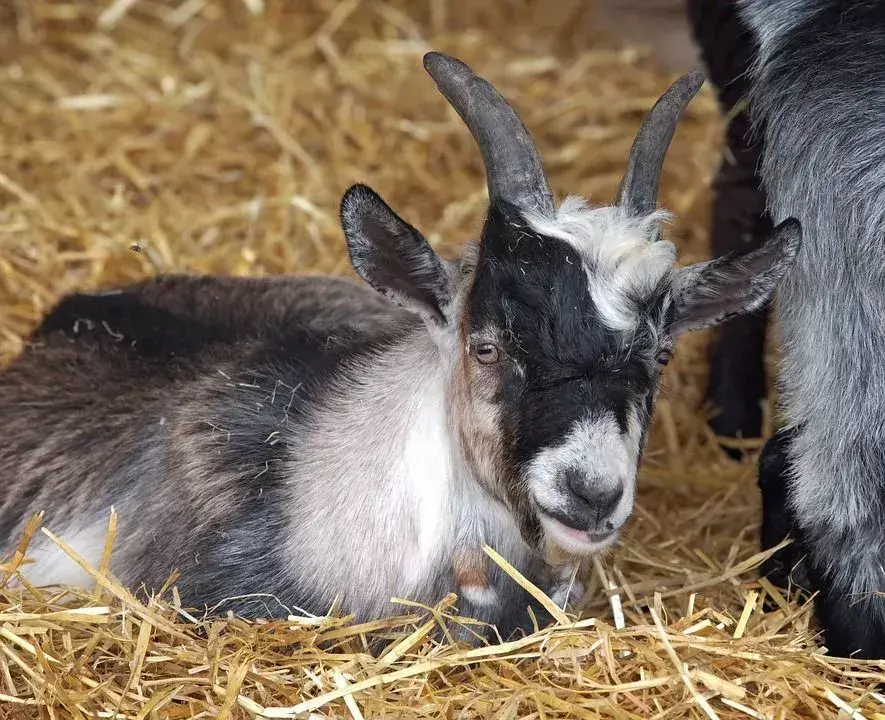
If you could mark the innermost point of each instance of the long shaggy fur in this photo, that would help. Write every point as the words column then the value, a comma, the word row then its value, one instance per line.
column 819, row 100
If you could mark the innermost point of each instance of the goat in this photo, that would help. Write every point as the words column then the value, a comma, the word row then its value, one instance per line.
column 314, row 440
column 817, row 98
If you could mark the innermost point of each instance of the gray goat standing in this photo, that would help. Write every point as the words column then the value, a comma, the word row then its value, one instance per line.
column 313, row 440
column 817, row 97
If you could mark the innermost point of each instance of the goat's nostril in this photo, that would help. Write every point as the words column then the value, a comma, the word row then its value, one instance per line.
column 606, row 501
column 575, row 481
column 602, row 501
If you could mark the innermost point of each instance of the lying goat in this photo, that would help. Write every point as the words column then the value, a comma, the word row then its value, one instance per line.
column 818, row 99
column 314, row 440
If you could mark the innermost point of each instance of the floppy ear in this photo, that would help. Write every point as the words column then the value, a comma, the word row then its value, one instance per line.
column 393, row 257
column 710, row 293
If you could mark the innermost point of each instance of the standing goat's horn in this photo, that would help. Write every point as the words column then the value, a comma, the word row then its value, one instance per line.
column 513, row 168
column 639, row 188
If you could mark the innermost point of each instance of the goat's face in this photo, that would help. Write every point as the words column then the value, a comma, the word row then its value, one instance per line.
column 554, row 326
column 563, row 331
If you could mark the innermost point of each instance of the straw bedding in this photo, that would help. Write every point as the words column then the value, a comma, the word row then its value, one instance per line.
column 139, row 137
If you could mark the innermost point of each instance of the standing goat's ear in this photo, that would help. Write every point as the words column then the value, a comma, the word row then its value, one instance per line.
column 710, row 293
column 393, row 257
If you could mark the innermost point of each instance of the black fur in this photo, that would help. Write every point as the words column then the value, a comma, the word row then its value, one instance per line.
column 786, row 568
column 853, row 624
column 536, row 289
column 737, row 382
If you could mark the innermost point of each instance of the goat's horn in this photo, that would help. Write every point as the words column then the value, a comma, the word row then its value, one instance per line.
column 513, row 168
column 639, row 188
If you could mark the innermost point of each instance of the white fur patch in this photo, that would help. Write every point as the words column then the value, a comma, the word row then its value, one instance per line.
column 481, row 596
column 618, row 251
column 424, row 476
column 52, row 566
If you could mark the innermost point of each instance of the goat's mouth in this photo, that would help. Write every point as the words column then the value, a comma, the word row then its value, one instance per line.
column 574, row 540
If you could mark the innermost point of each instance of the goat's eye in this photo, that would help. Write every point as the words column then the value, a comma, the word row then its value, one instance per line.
column 487, row 353
column 663, row 357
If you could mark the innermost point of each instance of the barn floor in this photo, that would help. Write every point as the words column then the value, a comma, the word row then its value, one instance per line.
column 139, row 137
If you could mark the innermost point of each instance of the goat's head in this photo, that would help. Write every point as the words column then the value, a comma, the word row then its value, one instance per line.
column 556, row 323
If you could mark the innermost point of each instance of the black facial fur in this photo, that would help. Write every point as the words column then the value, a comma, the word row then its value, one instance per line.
column 534, row 291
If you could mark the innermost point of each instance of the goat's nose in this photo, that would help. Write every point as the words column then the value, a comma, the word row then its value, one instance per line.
column 601, row 497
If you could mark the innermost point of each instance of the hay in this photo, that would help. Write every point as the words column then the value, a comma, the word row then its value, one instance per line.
column 209, row 136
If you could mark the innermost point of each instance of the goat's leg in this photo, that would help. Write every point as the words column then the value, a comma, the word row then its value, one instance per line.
column 736, row 384
column 845, row 569
column 785, row 568
column 841, row 562
column 489, row 595
column 565, row 588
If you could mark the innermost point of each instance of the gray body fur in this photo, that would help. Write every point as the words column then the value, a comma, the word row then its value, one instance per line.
column 818, row 98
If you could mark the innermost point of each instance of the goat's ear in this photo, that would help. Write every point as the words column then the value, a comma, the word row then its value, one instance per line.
column 393, row 257
column 710, row 293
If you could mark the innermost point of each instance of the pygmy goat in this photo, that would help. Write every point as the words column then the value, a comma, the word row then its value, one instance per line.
column 818, row 99
column 313, row 440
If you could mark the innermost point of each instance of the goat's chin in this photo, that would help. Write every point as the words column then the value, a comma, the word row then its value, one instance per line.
column 575, row 542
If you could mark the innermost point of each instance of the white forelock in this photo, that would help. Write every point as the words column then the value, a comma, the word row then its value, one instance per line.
column 619, row 253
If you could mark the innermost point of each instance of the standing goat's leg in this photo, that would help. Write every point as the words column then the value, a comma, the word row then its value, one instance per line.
column 845, row 569
column 737, row 372
column 843, row 562
column 840, row 562
column 786, row 567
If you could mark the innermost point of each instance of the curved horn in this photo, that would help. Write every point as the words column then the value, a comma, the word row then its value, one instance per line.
column 513, row 168
column 639, row 188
